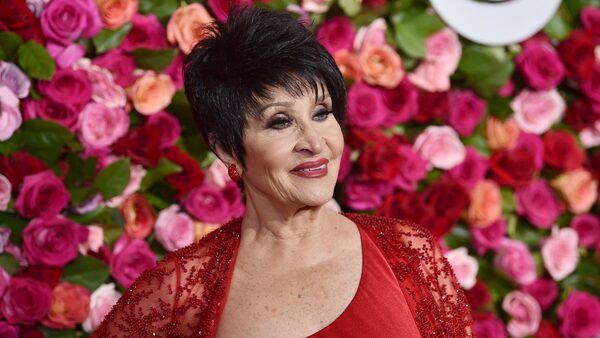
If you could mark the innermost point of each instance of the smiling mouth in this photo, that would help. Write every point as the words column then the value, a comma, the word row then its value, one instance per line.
column 311, row 170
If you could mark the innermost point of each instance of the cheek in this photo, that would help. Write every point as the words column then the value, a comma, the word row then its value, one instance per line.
column 335, row 138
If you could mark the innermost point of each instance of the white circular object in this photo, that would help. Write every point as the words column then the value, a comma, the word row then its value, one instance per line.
column 496, row 24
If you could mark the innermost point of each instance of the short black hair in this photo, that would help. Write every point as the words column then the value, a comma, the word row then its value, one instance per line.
column 236, row 64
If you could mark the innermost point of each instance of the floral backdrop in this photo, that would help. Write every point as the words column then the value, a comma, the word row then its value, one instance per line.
column 495, row 149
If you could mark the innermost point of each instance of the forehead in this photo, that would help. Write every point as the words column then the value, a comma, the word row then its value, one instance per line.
column 272, row 94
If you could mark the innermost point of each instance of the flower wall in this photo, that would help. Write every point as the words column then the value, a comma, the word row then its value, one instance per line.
column 495, row 150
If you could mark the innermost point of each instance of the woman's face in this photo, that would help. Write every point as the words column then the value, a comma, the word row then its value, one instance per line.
column 293, row 151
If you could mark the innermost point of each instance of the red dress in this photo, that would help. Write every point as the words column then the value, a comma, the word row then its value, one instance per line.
column 184, row 295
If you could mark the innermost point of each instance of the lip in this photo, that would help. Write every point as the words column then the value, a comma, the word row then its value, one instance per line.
column 312, row 169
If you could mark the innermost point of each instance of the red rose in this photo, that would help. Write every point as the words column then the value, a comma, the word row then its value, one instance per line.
column 513, row 168
column 357, row 138
column 580, row 115
column 191, row 174
column 577, row 53
column 17, row 17
column 431, row 105
column 547, row 330
column 593, row 164
column 138, row 216
column 19, row 165
column 44, row 273
column 561, row 151
column 478, row 295
column 141, row 144
column 381, row 161
column 447, row 199
column 408, row 206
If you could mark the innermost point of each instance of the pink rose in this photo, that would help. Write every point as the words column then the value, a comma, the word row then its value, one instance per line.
column 183, row 27
column 587, row 227
column 10, row 116
column 590, row 136
column 174, row 229
column 431, row 77
column 365, row 106
column 373, row 34
column 94, row 242
column 5, row 192
column 216, row 175
column 536, row 112
column 26, row 301
column 412, row 169
column 151, row 92
column 9, row 331
column 364, row 194
column 559, row 252
column 486, row 204
column 465, row 267
column 401, row 102
column 578, row 188
column 537, row 203
column 209, row 204
column 544, row 290
column 525, row 312
column 540, row 65
column 169, row 126
column 590, row 18
column 381, row 65
column 578, row 315
column 104, row 89
column 465, row 111
column 440, row 147
column 101, row 302
column 514, row 259
column 146, row 32
column 471, row 170
column 65, row 56
column 131, row 257
column 336, row 34
column 220, row 8
column 42, row 195
column 590, row 86
column 120, row 64
column 52, row 241
column 13, row 78
column 489, row 237
column 63, row 21
column 100, row 126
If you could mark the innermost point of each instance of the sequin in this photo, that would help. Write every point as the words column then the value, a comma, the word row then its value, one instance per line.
column 183, row 296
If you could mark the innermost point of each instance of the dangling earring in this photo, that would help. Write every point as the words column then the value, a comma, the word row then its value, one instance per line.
column 233, row 173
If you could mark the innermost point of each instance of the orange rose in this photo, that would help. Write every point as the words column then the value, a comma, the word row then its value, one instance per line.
column 348, row 64
column 501, row 135
column 151, row 93
column 138, row 215
column 185, row 27
column 578, row 189
column 115, row 13
column 381, row 65
column 486, row 204
column 70, row 306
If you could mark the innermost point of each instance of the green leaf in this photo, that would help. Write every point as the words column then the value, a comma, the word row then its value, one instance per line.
column 35, row 61
column 113, row 179
column 350, row 7
column 109, row 39
column 558, row 28
column 164, row 168
column 87, row 271
column 508, row 200
column 500, row 107
column 13, row 144
column 162, row 9
column 47, row 140
column 411, row 29
column 154, row 59
column 51, row 333
column 16, row 225
column 9, row 45
column 486, row 69
column 9, row 263
column 101, row 215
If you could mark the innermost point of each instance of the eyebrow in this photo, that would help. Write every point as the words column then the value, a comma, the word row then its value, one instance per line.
column 287, row 104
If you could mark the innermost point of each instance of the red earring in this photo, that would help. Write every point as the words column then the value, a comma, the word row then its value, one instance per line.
column 233, row 173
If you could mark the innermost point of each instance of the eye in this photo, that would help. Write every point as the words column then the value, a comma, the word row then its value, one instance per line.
column 322, row 114
column 279, row 122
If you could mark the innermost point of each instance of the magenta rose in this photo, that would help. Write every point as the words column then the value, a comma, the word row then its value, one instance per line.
column 525, row 313
column 588, row 229
column 590, row 18
column 68, row 85
column 52, row 241
column 490, row 237
column 534, row 145
column 412, row 169
column 514, row 259
column 336, row 33
column 42, row 195
column 544, row 290
column 8, row 331
column 63, row 113
column 578, row 315
column 233, row 196
column 13, row 78
column 207, row 204
column 489, row 326
column 4, row 278
column 26, row 301
column 465, row 111
column 63, row 21
column 174, row 70
column 169, row 126
column 220, row 8
column 365, row 106
column 65, row 56
column 471, row 170
column 537, row 203
column 131, row 257
column 401, row 102
column 146, row 32
column 120, row 64
column 100, row 126
column 591, row 85
column 361, row 193
column 540, row 65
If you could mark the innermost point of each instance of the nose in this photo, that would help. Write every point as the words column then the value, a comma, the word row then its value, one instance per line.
column 310, row 140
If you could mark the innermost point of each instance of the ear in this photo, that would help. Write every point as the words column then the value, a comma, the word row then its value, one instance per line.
column 223, row 155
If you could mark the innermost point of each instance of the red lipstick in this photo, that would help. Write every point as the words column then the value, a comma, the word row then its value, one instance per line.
column 313, row 169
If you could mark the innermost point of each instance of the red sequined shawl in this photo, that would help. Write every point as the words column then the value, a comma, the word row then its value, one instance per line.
column 185, row 294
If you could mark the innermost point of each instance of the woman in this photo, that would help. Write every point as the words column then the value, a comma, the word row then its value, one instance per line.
column 269, row 100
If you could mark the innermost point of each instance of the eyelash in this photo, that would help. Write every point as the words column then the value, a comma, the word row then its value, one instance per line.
column 283, row 122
